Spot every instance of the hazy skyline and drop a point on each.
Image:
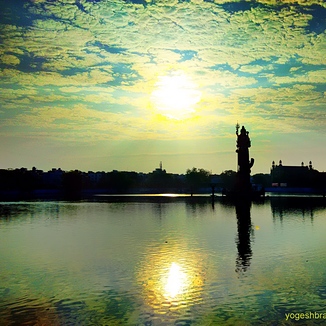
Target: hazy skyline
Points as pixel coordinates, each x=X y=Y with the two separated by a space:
x=103 y=85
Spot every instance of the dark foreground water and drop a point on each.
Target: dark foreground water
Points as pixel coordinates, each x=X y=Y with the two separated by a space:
x=163 y=261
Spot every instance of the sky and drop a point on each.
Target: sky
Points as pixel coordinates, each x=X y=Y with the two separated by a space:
x=102 y=85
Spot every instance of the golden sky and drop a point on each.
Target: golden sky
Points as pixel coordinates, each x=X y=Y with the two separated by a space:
x=103 y=85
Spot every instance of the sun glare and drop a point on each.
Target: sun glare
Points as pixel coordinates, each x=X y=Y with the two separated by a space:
x=175 y=96
x=176 y=281
x=171 y=282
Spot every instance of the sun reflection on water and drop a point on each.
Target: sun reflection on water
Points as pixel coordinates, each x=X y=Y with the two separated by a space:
x=176 y=282
x=172 y=278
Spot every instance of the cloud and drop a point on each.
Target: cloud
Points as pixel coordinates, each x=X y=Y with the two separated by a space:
x=44 y=78
x=311 y=77
x=10 y=60
x=81 y=64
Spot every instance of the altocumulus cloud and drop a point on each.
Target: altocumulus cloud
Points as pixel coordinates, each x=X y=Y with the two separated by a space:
x=252 y=61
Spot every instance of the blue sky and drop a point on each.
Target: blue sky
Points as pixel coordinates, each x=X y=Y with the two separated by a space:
x=103 y=85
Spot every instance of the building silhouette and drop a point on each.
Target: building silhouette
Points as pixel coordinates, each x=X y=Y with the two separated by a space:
x=303 y=177
x=291 y=175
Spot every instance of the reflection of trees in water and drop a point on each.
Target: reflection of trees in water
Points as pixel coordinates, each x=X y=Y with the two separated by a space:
x=9 y=212
x=244 y=232
x=198 y=206
x=29 y=314
x=283 y=207
x=108 y=308
x=23 y=211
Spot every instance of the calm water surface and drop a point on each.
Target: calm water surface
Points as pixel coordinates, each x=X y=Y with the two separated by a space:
x=162 y=261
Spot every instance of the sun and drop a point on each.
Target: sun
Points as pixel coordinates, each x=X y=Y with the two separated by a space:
x=175 y=96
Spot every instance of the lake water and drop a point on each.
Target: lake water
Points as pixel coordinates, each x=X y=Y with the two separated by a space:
x=163 y=261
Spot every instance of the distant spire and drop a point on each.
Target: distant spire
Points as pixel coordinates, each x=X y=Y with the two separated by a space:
x=161 y=166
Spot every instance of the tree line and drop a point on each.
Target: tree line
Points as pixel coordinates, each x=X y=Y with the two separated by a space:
x=194 y=180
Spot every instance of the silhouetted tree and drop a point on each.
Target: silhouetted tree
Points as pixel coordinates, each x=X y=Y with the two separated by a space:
x=262 y=179
x=197 y=178
x=120 y=182
x=160 y=180
x=228 y=179
x=20 y=179
x=72 y=182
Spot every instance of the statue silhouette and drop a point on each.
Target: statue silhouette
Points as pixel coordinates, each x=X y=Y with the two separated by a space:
x=243 y=184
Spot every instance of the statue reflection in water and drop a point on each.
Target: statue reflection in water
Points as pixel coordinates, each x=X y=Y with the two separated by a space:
x=242 y=209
